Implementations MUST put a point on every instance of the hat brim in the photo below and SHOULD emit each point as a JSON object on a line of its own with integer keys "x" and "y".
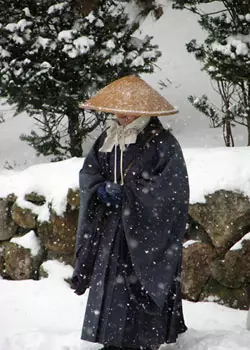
{"x": 129, "y": 95}
{"x": 130, "y": 112}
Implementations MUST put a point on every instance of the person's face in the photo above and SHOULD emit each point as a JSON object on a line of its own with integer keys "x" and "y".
{"x": 125, "y": 119}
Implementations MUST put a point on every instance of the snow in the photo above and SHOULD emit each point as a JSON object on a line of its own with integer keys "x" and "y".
{"x": 18, "y": 39}
{"x": 238, "y": 245}
{"x": 27, "y": 61}
{"x": 11, "y": 27}
{"x": 76, "y": 47}
{"x": 45, "y": 65}
{"x": 51, "y": 180}
{"x": 133, "y": 11}
{"x": 209, "y": 170}
{"x": 28, "y": 241}
{"x": 139, "y": 61}
{"x": 99, "y": 23}
{"x": 41, "y": 41}
{"x": 212, "y": 69}
{"x": 83, "y": 44}
{"x": 116, "y": 59}
{"x": 22, "y": 24}
{"x": 110, "y": 44}
{"x": 65, "y": 35}
{"x": 26, "y": 10}
{"x": 46, "y": 315}
{"x": 41, "y": 315}
{"x": 239, "y": 43}
{"x": 18, "y": 72}
{"x": 3, "y": 52}
{"x": 57, "y": 271}
{"x": 248, "y": 321}
{"x": 213, "y": 169}
{"x": 42, "y": 211}
{"x": 189, "y": 242}
{"x": 91, "y": 18}
{"x": 57, "y": 7}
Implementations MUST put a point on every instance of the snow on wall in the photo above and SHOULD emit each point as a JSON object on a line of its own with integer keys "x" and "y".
{"x": 209, "y": 170}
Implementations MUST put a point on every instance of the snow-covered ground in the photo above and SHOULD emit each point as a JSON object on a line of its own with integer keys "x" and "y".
{"x": 47, "y": 315}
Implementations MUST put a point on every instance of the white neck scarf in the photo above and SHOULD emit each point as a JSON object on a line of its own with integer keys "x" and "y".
{"x": 122, "y": 135}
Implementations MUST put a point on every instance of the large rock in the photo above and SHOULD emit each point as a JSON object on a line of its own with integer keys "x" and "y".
{"x": 59, "y": 235}
{"x": 196, "y": 232}
{"x": 35, "y": 198}
{"x": 233, "y": 297}
{"x": 7, "y": 226}
{"x": 234, "y": 270}
{"x": 195, "y": 268}
{"x": 18, "y": 262}
{"x": 23, "y": 217}
{"x": 73, "y": 198}
{"x": 225, "y": 217}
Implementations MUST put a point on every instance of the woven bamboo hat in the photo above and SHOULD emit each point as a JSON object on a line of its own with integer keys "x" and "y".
{"x": 129, "y": 95}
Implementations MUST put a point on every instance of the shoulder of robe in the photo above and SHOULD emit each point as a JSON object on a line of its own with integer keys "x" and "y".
{"x": 165, "y": 142}
{"x": 160, "y": 134}
{"x": 100, "y": 139}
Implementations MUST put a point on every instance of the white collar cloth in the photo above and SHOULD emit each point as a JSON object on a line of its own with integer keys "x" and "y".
{"x": 123, "y": 135}
{"x": 119, "y": 135}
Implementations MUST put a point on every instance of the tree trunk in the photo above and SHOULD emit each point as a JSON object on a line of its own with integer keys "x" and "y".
{"x": 86, "y": 6}
{"x": 75, "y": 143}
{"x": 227, "y": 131}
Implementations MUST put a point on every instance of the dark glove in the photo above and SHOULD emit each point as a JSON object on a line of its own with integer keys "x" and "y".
{"x": 114, "y": 191}
{"x": 102, "y": 193}
{"x": 109, "y": 192}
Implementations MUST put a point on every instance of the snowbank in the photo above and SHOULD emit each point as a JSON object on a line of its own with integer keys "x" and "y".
{"x": 52, "y": 180}
{"x": 213, "y": 169}
{"x": 46, "y": 315}
{"x": 209, "y": 170}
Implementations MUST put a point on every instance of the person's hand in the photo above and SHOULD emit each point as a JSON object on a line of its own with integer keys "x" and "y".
{"x": 114, "y": 191}
{"x": 109, "y": 192}
{"x": 102, "y": 193}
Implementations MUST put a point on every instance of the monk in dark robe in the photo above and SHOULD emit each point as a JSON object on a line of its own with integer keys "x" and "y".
{"x": 134, "y": 206}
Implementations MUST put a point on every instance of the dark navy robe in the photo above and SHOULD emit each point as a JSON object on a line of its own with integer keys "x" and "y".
{"x": 130, "y": 254}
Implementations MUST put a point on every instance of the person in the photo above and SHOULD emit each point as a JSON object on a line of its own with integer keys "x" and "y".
{"x": 134, "y": 205}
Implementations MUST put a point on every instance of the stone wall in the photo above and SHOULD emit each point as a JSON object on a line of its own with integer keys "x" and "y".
{"x": 216, "y": 251}
{"x": 216, "y": 255}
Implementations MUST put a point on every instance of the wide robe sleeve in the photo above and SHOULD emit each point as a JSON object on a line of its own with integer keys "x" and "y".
{"x": 155, "y": 208}
{"x": 87, "y": 237}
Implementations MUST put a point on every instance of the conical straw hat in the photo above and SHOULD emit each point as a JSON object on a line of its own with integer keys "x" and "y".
{"x": 129, "y": 95}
